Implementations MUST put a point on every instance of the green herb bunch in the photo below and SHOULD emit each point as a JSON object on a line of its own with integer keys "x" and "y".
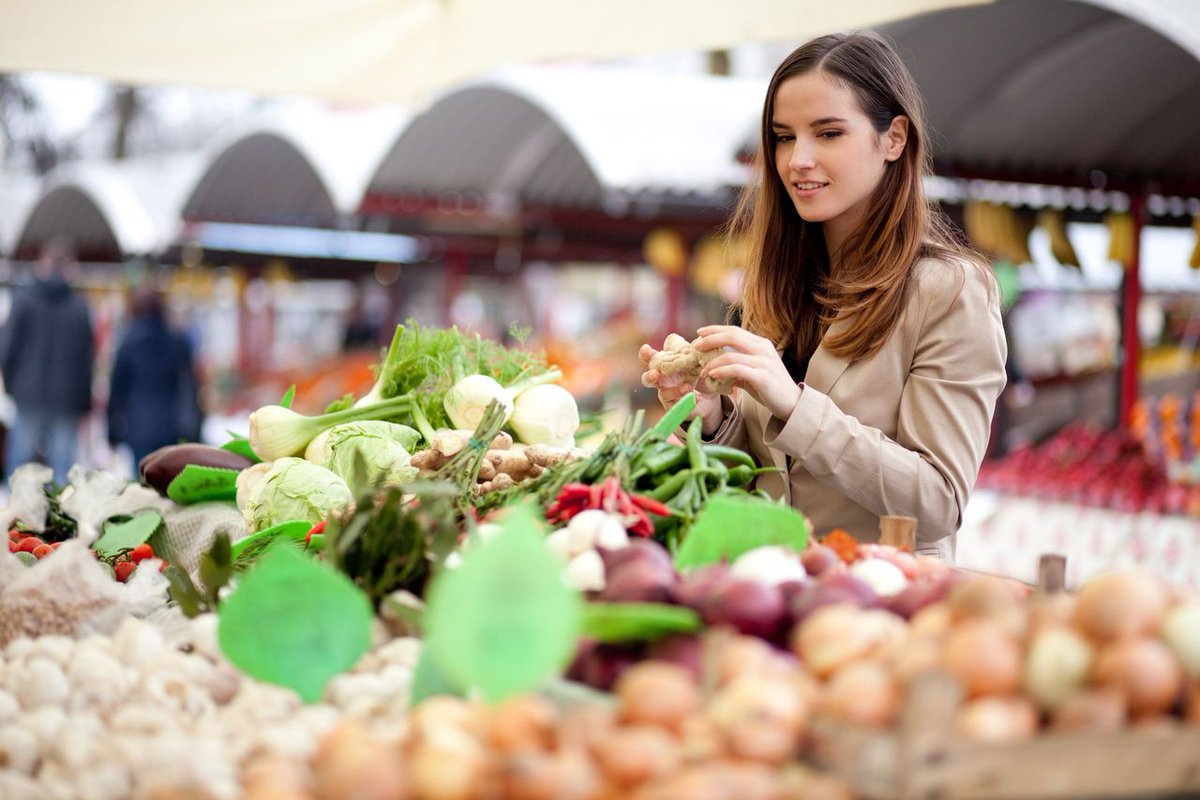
{"x": 426, "y": 363}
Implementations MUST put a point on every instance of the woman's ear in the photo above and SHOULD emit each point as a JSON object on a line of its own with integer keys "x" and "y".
{"x": 895, "y": 137}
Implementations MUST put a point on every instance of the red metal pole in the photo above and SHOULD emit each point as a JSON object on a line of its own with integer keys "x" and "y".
{"x": 1131, "y": 296}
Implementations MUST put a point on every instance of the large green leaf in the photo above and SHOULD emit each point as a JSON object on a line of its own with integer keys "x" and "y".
{"x": 254, "y": 545}
{"x": 241, "y": 445}
{"x": 729, "y": 526}
{"x": 198, "y": 484}
{"x": 631, "y": 622}
{"x": 295, "y": 622}
{"x": 125, "y": 534}
{"x": 429, "y": 680}
{"x": 504, "y": 621}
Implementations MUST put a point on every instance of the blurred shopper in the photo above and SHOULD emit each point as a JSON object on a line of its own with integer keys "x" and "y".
{"x": 46, "y": 353}
{"x": 153, "y": 396}
{"x": 870, "y": 351}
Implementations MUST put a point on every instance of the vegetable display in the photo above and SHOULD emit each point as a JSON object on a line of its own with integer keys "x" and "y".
{"x": 629, "y": 619}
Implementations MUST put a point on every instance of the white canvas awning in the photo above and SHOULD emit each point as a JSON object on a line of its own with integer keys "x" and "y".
{"x": 373, "y": 50}
{"x": 576, "y": 136}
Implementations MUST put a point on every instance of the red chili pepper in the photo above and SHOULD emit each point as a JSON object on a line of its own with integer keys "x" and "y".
{"x": 624, "y": 504}
{"x": 574, "y": 490}
{"x": 596, "y": 496}
{"x": 650, "y": 505}
{"x": 643, "y": 527}
{"x": 313, "y": 531}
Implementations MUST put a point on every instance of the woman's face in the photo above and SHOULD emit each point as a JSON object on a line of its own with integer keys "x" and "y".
{"x": 827, "y": 154}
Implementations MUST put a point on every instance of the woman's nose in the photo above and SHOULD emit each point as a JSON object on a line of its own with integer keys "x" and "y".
{"x": 802, "y": 158}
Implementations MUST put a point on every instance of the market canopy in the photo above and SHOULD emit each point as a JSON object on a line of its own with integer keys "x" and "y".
{"x": 575, "y": 137}
{"x": 378, "y": 50}
{"x": 299, "y": 165}
{"x": 1050, "y": 91}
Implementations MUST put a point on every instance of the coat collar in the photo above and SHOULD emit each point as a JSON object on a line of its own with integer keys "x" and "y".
{"x": 825, "y": 368}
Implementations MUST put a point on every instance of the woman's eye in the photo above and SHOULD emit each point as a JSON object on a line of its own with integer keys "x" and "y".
{"x": 782, "y": 138}
{"x": 829, "y": 134}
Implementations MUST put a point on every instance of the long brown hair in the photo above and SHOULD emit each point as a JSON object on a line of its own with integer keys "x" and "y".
{"x": 790, "y": 293}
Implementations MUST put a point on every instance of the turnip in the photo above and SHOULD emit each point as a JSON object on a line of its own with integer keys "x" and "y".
{"x": 697, "y": 588}
{"x": 770, "y": 565}
{"x": 837, "y": 588}
{"x": 819, "y": 559}
{"x": 917, "y": 596}
{"x": 748, "y": 606}
{"x": 638, "y": 581}
{"x": 683, "y": 650}
{"x": 638, "y": 550}
{"x": 882, "y": 575}
{"x": 602, "y": 665}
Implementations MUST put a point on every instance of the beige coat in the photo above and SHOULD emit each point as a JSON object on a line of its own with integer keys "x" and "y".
{"x": 902, "y": 432}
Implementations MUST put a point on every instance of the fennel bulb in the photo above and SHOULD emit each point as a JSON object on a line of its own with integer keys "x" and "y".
{"x": 276, "y": 431}
{"x": 545, "y": 414}
{"x": 468, "y": 399}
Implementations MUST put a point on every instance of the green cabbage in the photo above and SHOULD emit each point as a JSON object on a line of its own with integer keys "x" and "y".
{"x": 366, "y": 454}
{"x": 293, "y": 488}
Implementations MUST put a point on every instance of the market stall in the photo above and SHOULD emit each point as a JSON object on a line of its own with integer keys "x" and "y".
{"x": 430, "y": 592}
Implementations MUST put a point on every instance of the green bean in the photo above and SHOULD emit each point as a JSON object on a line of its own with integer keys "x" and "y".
{"x": 696, "y": 458}
{"x": 730, "y": 454}
{"x": 669, "y": 458}
{"x": 718, "y": 472}
{"x": 670, "y": 487}
{"x": 685, "y": 499}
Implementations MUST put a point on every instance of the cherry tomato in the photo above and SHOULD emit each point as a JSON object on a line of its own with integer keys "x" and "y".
{"x": 124, "y": 569}
{"x": 141, "y": 553}
{"x": 28, "y": 543}
{"x": 42, "y": 550}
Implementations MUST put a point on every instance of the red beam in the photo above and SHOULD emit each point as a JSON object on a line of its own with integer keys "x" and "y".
{"x": 1131, "y": 296}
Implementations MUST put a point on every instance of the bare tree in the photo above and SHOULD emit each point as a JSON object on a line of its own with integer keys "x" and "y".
{"x": 23, "y": 124}
{"x": 127, "y": 107}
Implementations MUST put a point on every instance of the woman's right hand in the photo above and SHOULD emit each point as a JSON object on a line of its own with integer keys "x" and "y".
{"x": 672, "y": 387}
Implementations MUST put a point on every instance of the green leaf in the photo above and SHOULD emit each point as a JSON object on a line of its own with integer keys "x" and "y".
{"x": 630, "y": 622}
{"x": 674, "y": 417}
{"x": 429, "y": 681}
{"x": 503, "y": 621}
{"x": 256, "y": 544}
{"x": 216, "y": 565}
{"x": 729, "y": 526}
{"x": 127, "y": 534}
{"x": 197, "y": 484}
{"x": 184, "y": 592}
{"x": 241, "y": 446}
{"x": 294, "y": 622}
{"x": 288, "y": 397}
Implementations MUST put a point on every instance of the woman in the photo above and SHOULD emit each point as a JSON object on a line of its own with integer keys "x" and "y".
{"x": 869, "y": 353}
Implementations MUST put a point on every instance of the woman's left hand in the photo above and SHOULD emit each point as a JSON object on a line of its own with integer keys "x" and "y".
{"x": 753, "y": 363}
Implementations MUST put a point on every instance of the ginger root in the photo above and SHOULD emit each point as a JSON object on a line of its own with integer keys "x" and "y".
{"x": 679, "y": 358}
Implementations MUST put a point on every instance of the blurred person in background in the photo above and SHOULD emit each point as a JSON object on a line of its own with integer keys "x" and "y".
{"x": 46, "y": 354}
{"x": 869, "y": 353}
{"x": 153, "y": 394}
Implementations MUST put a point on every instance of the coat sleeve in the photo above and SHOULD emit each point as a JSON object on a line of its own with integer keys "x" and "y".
{"x": 8, "y": 341}
{"x": 732, "y": 431}
{"x": 943, "y": 420}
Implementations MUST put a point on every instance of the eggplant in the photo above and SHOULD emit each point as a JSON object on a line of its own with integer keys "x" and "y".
{"x": 160, "y": 467}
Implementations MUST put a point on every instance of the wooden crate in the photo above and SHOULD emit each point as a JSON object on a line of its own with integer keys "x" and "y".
{"x": 923, "y": 758}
